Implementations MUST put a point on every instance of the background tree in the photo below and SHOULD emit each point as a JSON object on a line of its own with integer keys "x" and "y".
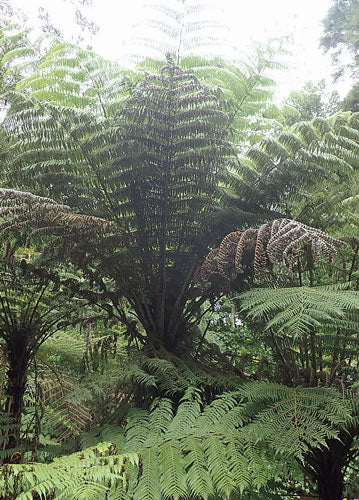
{"x": 351, "y": 100}
{"x": 32, "y": 309}
{"x": 341, "y": 33}
{"x": 311, "y": 102}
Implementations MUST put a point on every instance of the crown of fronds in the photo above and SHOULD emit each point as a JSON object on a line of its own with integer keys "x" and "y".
{"x": 176, "y": 134}
{"x": 277, "y": 242}
{"x": 154, "y": 170}
{"x": 152, "y": 167}
{"x": 32, "y": 304}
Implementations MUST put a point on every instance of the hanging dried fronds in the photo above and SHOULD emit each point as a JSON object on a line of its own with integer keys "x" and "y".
{"x": 277, "y": 242}
{"x": 40, "y": 215}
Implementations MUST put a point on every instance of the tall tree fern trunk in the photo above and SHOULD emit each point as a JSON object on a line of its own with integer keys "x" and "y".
{"x": 329, "y": 467}
{"x": 331, "y": 486}
{"x": 330, "y": 477}
{"x": 18, "y": 361}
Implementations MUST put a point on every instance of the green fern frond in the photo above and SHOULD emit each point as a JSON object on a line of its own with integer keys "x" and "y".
{"x": 294, "y": 420}
{"x": 298, "y": 310}
{"x": 189, "y": 453}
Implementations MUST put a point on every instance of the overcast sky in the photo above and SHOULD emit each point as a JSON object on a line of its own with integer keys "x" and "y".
{"x": 253, "y": 20}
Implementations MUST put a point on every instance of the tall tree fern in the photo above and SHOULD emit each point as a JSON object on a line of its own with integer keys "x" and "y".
{"x": 152, "y": 170}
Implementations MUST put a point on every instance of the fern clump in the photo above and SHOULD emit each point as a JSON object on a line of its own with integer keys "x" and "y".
{"x": 164, "y": 453}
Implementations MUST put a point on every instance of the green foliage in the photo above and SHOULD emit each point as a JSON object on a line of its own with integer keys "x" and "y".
{"x": 298, "y": 310}
{"x": 166, "y": 454}
{"x": 144, "y": 160}
{"x": 278, "y": 173}
{"x": 311, "y": 102}
{"x": 59, "y": 109}
{"x": 244, "y": 91}
{"x": 341, "y": 33}
{"x": 294, "y": 420}
{"x": 351, "y": 100}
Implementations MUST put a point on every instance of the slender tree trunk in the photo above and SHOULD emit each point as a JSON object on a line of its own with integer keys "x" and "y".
{"x": 18, "y": 361}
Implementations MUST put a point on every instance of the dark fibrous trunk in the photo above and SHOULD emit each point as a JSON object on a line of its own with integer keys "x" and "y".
{"x": 330, "y": 482}
{"x": 328, "y": 465}
{"x": 18, "y": 361}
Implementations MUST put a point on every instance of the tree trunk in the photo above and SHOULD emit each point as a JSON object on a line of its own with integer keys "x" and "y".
{"x": 331, "y": 483}
{"x": 328, "y": 464}
{"x": 18, "y": 361}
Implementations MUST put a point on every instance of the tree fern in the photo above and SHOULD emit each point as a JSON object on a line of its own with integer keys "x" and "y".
{"x": 31, "y": 310}
{"x": 154, "y": 178}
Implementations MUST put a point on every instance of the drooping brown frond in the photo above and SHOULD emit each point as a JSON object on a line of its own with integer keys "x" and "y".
{"x": 40, "y": 215}
{"x": 277, "y": 242}
{"x": 246, "y": 242}
{"x": 209, "y": 266}
{"x": 16, "y": 197}
{"x": 260, "y": 257}
{"x": 226, "y": 249}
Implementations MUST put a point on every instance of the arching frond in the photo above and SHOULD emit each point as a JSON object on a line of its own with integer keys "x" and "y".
{"x": 299, "y": 310}
{"x": 21, "y": 209}
{"x": 294, "y": 420}
{"x": 279, "y": 171}
{"x": 277, "y": 242}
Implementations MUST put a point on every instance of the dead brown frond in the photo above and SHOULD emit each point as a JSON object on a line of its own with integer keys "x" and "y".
{"x": 277, "y": 242}
{"x": 41, "y": 216}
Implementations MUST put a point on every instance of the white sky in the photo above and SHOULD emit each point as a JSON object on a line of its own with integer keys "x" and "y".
{"x": 253, "y": 20}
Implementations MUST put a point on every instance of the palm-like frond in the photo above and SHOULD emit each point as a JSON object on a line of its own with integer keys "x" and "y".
{"x": 244, "y": 92}
{"x": 279, "y": 171}
{"x": 294, "y": 420}
{"x": 190, "y": 452}
{"x": 66, "y": 109}
{"x": 299, "y": 310}
{"x": 76, "y": 78}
